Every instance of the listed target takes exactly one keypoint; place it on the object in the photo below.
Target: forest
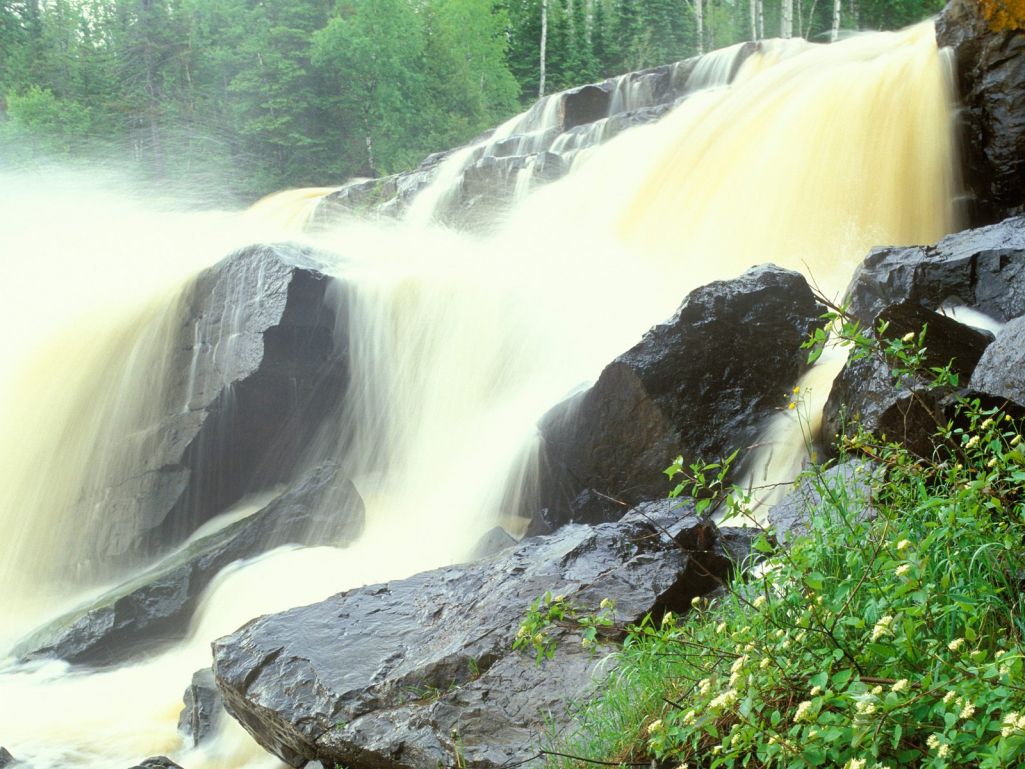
(241, 97)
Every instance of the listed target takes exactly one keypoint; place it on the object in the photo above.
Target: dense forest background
(249, 96)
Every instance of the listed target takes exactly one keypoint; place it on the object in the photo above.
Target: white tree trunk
(699, 12)
(786, 19)
(835, 33)
(544, 46)
(754, 19)
(761, 20)
(800, 18)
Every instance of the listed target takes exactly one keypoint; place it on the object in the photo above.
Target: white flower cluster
(882, 627)
(1013, 724)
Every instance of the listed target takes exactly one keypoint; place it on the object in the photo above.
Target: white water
(460, 343)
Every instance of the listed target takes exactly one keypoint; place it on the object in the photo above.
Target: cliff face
(990, 65)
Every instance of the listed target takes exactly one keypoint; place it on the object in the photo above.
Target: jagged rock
(866, 394)
(6, 759)
(419, 672)
(1000, 374)
(155, 607)
(256, 364)
(982, 268)
(203, 707)
(157, 762)
(700, 385)
(844, 488)
(991, 78)
(494, 540)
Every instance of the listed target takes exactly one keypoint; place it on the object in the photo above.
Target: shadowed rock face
(154, 609)
(700, 385)
(865, 393)
(982, 268)
(253, 360)
(991, 78)
(1000, 375)
(413, 673)
(203, 707)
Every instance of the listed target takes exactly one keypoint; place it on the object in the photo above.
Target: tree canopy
(254, 95)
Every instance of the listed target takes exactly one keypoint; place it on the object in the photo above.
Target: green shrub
(890, 636)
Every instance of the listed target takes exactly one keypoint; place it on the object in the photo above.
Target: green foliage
(892, 635)
(548, 613)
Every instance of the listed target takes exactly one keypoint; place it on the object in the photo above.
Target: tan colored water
(811, 157)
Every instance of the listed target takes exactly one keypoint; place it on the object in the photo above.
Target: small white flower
(856, 763)
(899, 686)
(877, 690)
(654, 726)
(882, 627)
(968, 710)
(802, 711)
(933, 742)
(816, 691)
(972, 442)
(908, 337)
(987, 423)
(759, 602)
(956, 644)
(764, 663)
(720, 628)
(944, 751)
(949, 697)
(903, 545)
(903, 569)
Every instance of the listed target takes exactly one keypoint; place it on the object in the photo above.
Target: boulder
(6, 759)
(585, 105)
(866, 393)
(494, 540)
(419, 673)
(203, 707)
(982, 268)
(155, 607)
(990, 66)
(844, 488)
(701, 385)
(157, 762)
(256, 361)
(1000, 375)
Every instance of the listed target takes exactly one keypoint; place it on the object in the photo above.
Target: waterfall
(802, 155)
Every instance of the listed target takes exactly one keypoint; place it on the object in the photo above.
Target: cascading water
(810, 157)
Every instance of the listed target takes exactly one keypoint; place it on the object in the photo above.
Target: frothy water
(459, 343)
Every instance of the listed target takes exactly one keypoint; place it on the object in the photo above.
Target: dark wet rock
(844, 489)
(1000, 375)
(155, 607)
(494, 540)
(6, 759)
(982, 268)
(991, 78)
(416, 672)
(257, 361)
(203, 707)
(866, 394)
(157, 762)
(700, 385)
(585, 105)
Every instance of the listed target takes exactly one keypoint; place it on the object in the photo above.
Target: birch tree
(544, 46)
(835, 32)
(786, 19)
(697, 7)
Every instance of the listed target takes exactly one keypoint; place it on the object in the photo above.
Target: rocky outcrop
(155, 608)
(999, 378)
(6, 759)
(700, 385)
(255, 362)
(990, 67)
(203, 707)
(866, 394)
(982, 268)
(419, 673)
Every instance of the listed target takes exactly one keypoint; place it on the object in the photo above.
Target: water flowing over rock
(157, 762)
(256, 363)
(991, 73)
(982, 268)
(537, 147)
(419, 672)
(700, 385)
(155, 607)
